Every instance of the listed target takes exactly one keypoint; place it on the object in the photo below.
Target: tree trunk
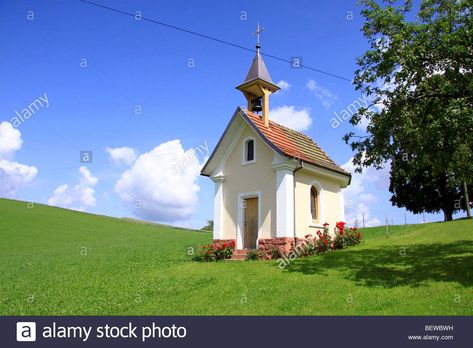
(447, 215)
(467, 200)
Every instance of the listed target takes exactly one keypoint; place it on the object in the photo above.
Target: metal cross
(258, 31)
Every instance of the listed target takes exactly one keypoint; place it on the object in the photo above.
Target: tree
(419, 191)
(209, 226)
(418, 73)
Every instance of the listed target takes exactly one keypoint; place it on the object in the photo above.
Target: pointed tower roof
(258, 73)
(258, 69)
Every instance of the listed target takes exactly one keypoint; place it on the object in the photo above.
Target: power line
(187, 31)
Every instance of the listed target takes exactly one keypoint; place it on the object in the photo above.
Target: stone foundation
(283, 244)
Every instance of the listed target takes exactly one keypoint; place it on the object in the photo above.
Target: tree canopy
(418, 74)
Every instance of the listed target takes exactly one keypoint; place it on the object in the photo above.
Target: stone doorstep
(239, 254)
(237, 258)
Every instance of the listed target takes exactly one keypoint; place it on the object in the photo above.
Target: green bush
(255, 254)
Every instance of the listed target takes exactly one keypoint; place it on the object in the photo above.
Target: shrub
(345, 236)
(352, 236)
(323, 241)
(216, 251)
(275, 252)
(255, 254)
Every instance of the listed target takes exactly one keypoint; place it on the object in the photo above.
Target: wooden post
(387, 225)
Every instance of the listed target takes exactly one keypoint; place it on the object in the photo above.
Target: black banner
(236, 331)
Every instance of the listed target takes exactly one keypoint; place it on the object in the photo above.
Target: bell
(256, 105)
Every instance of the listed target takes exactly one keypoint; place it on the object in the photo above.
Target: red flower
(341, 232)
(208, 252)
(325, 241)
(359, 235)
(326, 224)
(308, 235)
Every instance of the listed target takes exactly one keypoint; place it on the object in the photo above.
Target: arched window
(249, 151)
(314, 203)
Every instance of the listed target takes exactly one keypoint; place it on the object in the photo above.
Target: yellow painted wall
(330, 198)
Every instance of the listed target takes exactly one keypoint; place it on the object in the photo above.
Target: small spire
(258, 86)
(258, 31)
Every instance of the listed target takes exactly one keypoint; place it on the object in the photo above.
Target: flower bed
(217, 251)
(319, 243)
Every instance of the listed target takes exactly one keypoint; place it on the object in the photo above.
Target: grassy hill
(59, 262)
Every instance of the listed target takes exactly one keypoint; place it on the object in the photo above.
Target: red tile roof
(292, 143)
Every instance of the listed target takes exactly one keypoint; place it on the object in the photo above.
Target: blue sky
(147, 92)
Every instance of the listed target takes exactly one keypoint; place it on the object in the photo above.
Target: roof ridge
(300, 133)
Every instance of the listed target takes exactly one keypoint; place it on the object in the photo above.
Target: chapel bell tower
(258, 85)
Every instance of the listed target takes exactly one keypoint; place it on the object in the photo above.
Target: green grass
(59, 262)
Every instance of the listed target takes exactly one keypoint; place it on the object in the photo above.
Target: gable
(229, 141)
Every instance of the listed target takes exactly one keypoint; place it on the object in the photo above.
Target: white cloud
(121, 155)
(292, 118)
(357, 199)
(361, 211)
(284, 85)
(363, 124)
(13, 175)
(162, 184)
(77, 197)
(87, 179)
(366, 198)
(10, 140)
(327, 97)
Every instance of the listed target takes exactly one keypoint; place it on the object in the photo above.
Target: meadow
(60, 262)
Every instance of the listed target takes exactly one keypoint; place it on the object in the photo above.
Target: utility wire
(170, 26)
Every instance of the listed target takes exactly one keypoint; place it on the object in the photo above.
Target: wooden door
(251, 223)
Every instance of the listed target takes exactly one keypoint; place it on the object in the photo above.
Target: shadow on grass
(396, 265)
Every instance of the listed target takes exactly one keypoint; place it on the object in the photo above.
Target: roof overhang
(253, 86)
(225, 142)
(342, 178)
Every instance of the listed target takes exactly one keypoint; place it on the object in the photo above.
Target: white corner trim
(279, 162)
(321, 207)
(244, 161)
(284, 201)
(218, 178)
(218, 207)
(241, 216)
(342, 205)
